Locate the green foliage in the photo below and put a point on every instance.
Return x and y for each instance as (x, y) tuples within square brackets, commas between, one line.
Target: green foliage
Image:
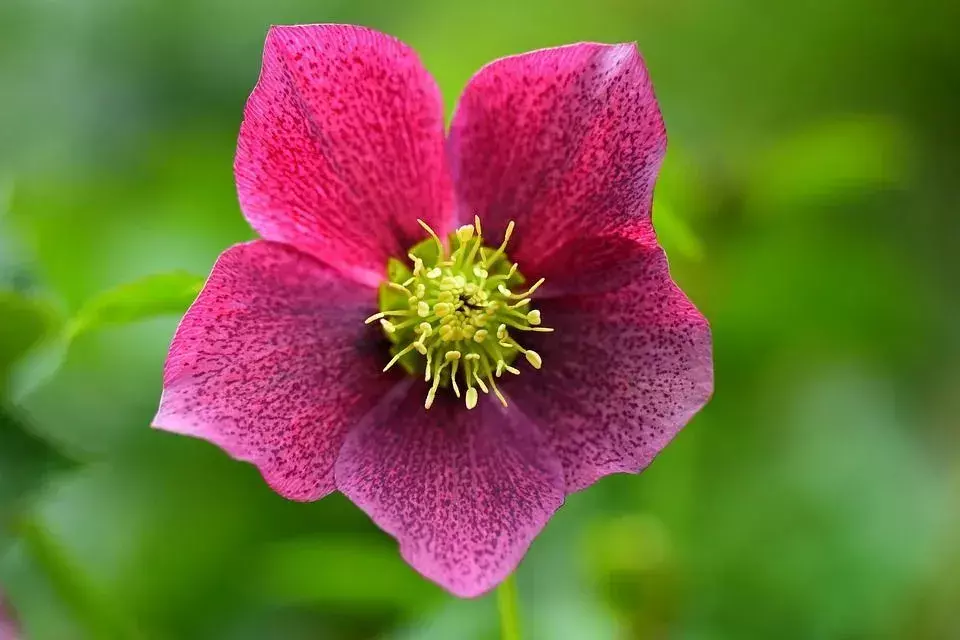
[(26, 322), (155, 295)]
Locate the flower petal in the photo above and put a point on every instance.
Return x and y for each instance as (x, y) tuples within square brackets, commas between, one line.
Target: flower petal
[(567, 142), (8, 625), (464, 492), (341, 147), (623, 372), (273, 364)]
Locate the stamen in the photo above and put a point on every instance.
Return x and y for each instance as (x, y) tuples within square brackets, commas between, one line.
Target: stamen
[(459, 317), (471, 398), (433, 234), (400, 287), (399, 355), (503, 245), (384, 314), (533, 358)]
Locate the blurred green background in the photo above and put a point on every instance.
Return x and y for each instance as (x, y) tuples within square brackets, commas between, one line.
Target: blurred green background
[(809, 204)]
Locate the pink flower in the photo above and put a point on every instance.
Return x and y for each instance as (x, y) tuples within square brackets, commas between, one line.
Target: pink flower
[(8, 625), (341, 153)]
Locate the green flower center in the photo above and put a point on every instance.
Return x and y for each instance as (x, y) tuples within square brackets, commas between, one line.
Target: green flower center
[(453, 315)]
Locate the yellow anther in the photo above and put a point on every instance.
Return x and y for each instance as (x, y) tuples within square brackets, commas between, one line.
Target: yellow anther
[(420, 347), (464, 233), (451, 356), (480, 336), (434, 273), (423, 309), (388, 326), (442, 309), (534, 359), (472, 356), (476, 225), (374, 318), (480, 272), (533, 317), (471, 398), (502, 332), (425, 329)]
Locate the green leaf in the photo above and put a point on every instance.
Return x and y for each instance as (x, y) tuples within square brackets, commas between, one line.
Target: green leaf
[(25, 323), (154, 295), (143, 299)]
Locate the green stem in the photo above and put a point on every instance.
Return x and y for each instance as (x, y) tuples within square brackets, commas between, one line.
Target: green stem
[(508, 605)]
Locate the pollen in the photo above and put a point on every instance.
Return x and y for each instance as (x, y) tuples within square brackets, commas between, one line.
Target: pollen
[(452, 314)]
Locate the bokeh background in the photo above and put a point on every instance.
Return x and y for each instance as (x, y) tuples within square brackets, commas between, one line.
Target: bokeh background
[(809, 204)]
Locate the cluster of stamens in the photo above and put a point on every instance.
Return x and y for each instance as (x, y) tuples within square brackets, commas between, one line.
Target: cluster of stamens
[(452, 315)]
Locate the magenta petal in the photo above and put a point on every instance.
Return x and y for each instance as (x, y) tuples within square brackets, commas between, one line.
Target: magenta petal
[(273, 364), (566, 142), (341, 147), (464, 492), (624, 371)]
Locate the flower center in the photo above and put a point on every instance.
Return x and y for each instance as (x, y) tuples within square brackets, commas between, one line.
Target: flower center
[(453, 316)]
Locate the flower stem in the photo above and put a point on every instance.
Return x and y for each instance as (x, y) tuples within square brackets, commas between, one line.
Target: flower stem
[(507, 604)]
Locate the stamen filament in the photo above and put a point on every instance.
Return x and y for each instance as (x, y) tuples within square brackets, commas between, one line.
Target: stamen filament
[(384, 314), (442, 250), (458, 316), (399, 355)]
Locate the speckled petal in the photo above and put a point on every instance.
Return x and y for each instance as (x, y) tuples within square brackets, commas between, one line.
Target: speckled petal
[(273, 364), (567, 142), (624, 371), (341, 147), (464, 492)]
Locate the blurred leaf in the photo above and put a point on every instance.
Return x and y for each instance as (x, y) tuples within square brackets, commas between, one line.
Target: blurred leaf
[(26, 462), (85, 603), (674, 233), (151, 296), (325, 571), (143, 299), (830, 159), (25, 323)]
